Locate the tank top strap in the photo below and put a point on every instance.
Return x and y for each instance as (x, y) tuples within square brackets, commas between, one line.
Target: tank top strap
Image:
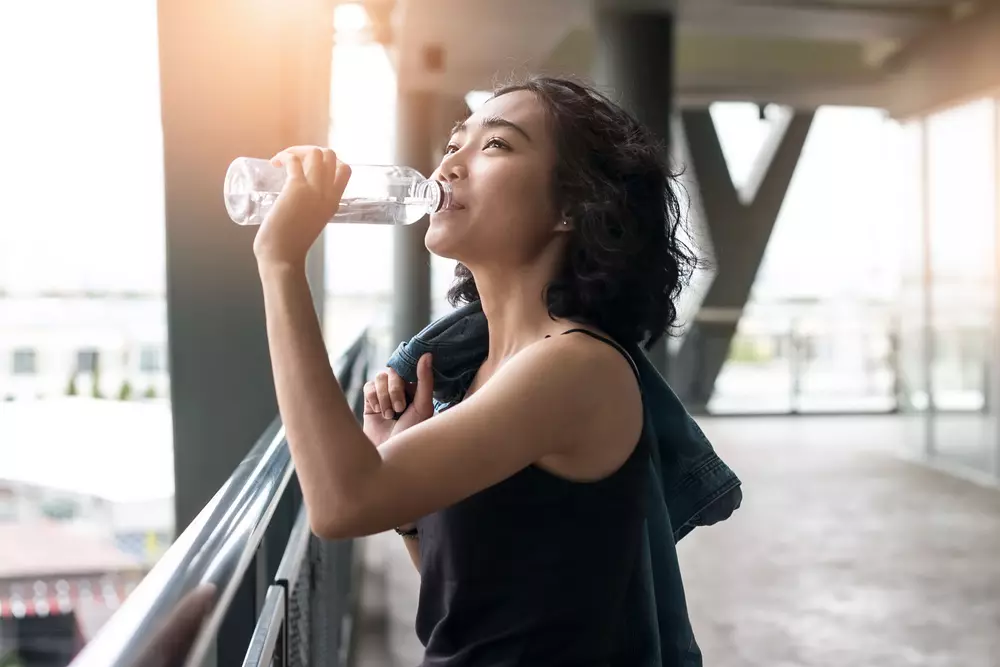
[(614, 344)]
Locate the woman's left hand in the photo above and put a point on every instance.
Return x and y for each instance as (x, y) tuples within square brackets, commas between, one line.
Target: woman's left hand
[(314, 186)]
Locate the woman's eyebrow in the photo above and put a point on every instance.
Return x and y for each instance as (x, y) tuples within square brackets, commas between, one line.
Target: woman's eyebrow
[(492, 121)]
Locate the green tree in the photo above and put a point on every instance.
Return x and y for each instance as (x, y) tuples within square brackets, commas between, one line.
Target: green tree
[(11, 660), (71, 389), (150, 392), (96, 377), (125, 393)]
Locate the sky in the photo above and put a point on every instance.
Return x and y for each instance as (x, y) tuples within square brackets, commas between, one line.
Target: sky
[(82, 198)]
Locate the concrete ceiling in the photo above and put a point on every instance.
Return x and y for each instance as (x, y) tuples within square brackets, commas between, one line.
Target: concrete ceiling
[(897, 54)]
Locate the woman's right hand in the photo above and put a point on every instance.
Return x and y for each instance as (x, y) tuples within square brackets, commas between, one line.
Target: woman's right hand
[(387, 395)]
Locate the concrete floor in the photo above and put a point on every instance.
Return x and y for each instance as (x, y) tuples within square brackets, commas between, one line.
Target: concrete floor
[(842, 554)]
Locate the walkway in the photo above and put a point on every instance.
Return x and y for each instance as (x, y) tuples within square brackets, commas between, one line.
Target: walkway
[(842, 554)]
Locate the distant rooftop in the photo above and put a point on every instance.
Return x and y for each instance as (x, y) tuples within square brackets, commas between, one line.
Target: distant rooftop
[(50, 549)]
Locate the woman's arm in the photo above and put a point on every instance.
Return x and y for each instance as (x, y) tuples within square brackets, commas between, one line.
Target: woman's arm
[(553, 398), (385, 396)]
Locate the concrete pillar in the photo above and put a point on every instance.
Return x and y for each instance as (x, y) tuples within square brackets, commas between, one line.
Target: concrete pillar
[(739, 232), (238, 77), (635, 65)]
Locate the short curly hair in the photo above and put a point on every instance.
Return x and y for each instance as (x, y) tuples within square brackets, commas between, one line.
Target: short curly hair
[(627, 259)]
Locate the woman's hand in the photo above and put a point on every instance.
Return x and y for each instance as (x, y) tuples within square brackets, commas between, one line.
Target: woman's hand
[(386, 395), (311, 195)]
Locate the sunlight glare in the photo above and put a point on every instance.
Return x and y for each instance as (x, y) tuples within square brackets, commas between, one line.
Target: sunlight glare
[(477, 98), (350, 17)]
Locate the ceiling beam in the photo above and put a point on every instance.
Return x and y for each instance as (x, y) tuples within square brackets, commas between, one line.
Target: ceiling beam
[(955, 63), (808, 20)]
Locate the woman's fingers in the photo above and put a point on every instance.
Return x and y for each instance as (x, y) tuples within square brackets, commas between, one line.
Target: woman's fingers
[(387, 394), (371, 399), (339, 177), (423, 400), (382, 390), (330, 164), (397, 391), (318, 166), (315, 173), (292, 164)]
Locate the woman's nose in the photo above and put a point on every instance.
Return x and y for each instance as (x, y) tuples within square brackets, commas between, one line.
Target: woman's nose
[(451, 169)]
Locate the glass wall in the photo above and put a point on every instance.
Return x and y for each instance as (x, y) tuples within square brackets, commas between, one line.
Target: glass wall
[(905, 190), (820, 330), (878, 290), (961, 216)]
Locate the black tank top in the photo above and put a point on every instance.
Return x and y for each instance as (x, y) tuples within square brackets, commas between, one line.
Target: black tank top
[(533, 570)]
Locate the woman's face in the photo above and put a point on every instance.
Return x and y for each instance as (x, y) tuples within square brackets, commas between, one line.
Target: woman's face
[(500, 163)]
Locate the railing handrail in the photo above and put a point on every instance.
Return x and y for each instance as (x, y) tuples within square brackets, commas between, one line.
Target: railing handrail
[(180, 604)]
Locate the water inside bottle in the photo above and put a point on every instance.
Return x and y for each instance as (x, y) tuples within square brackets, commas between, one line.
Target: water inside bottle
[(381, 212), (251, 208)]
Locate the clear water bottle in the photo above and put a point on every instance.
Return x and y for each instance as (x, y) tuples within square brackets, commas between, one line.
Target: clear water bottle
[(375, 195)]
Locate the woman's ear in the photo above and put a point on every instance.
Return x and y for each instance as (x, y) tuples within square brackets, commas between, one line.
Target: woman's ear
[(565, 223)]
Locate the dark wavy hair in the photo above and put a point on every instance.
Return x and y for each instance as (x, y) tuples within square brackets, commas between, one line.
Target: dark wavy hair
[(626, 263)]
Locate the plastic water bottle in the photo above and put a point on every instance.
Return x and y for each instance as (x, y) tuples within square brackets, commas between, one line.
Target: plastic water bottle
[(375, 195)]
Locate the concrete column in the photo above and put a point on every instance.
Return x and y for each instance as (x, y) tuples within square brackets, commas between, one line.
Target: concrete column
[(739, 232), (416, 115), (238, 77), (635, 66)]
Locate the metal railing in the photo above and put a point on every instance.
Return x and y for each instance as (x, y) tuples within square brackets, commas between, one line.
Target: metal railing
[(204, 594)]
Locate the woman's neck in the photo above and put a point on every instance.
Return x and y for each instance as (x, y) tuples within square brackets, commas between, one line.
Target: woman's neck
[(514, 304)]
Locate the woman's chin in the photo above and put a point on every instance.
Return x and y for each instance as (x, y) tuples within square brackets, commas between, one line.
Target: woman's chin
[(442, 239)]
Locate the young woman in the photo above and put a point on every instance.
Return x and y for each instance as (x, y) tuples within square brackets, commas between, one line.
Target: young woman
[(523, 503)]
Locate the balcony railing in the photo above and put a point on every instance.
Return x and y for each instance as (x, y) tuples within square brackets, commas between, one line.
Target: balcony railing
[(221, 586)]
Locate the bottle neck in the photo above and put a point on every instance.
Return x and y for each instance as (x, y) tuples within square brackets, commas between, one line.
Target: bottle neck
[(438, 194)]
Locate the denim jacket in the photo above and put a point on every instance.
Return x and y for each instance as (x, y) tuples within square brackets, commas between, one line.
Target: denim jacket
[(690, 485)]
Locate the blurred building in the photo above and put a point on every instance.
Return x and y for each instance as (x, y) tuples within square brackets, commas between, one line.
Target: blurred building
[(109, 344), (59, 581)]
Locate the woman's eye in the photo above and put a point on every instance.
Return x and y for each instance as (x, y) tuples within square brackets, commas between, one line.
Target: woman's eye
[(450, 148), (495, 143)]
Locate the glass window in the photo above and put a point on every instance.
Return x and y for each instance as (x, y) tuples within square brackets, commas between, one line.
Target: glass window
[(87, 361), (24, 362), (150, 360), (8, 504)]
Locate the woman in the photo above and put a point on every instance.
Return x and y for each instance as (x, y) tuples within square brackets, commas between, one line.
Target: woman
[(523, 503)]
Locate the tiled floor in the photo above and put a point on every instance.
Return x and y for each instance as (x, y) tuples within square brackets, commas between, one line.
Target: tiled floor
[(842, 554)]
